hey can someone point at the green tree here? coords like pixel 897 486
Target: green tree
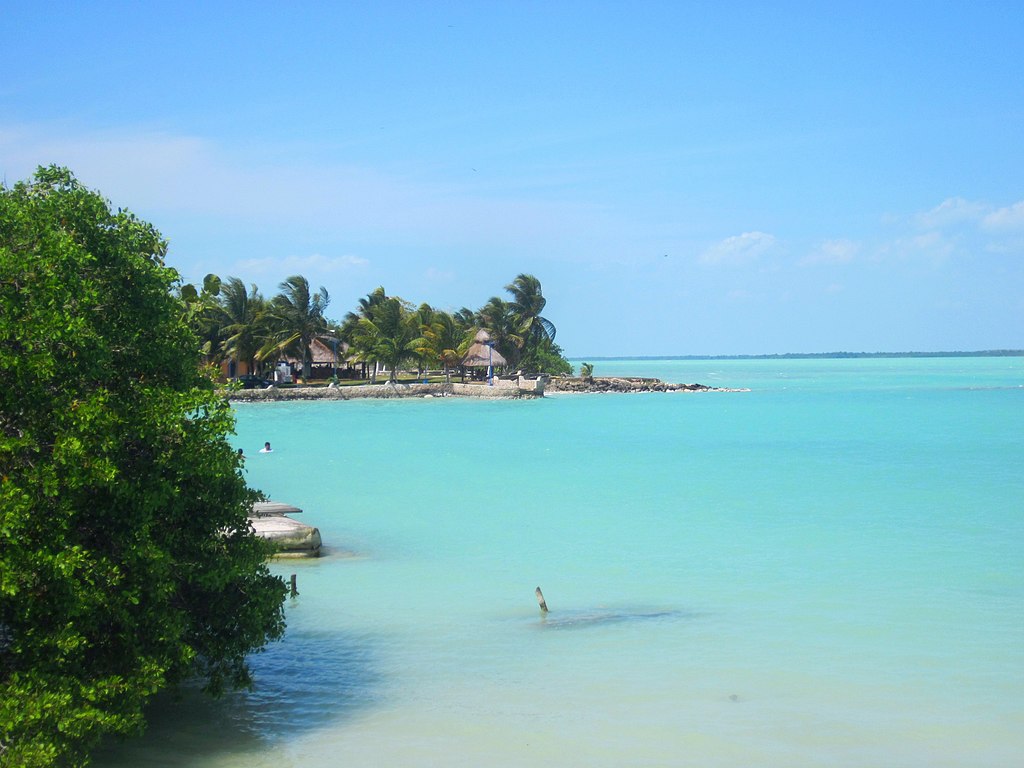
pixel 350 331
pixel 127 562
pixel 446 340
pixel 298 317
pixel 520 332
pixel 501 321
pixel 243 321
pixel 548 358
pixel 527 303
pixel 426 355
pixel 538 350
pixel 202 313
pixel 366 308
pixel 391 335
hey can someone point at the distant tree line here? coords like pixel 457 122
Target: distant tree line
pixel 236 322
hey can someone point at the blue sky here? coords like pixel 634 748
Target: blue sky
pixel 684 178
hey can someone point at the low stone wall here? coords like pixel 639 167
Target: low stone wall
pixel 504 390
pixel 495 392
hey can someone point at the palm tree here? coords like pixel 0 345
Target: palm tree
pixel 350 328
pixel 466 318
pixel 298 317
pixel 503 324
pixel 424 317
pixel 390 336
pixel 527 303
pixel 243 328
pixel 445 339
pixel 201 313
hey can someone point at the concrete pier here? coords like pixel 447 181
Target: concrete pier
pixel 290 537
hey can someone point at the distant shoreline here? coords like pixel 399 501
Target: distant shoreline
pixel 808 356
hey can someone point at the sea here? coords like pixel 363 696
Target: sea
pixel 824 570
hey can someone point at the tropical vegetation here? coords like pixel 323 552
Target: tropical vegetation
pixel 295 317
pixel 127 562
pixel 382 332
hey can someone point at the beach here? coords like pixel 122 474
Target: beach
pixel 824 570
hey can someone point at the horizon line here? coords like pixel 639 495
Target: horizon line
pixel 808 355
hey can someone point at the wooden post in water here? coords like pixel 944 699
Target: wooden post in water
pixel 540 600
pixel 295 589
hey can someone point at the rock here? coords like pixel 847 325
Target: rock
pixel 619 384
pixel 290 537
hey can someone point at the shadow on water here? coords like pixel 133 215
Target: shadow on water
pixel 585 619
pixel 305 682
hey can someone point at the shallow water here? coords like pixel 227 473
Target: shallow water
pixel 824 570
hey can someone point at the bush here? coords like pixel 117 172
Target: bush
pixel 127 560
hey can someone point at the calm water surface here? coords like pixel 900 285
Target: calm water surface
pixel 826 570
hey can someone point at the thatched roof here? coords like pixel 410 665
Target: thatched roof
pixel 480 354
pixel 322 351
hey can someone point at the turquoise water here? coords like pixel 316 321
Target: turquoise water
pixel 826 570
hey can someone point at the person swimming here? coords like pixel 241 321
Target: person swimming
pixel 266 448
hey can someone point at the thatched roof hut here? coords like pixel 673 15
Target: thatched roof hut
pixel 321 351
pixel 481 354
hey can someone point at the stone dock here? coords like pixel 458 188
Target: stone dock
pixel 271 521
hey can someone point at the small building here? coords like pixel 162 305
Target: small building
pixel 482 357
pixel 324 362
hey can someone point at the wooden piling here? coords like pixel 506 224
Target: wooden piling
pixel 540 600
pixel 294 587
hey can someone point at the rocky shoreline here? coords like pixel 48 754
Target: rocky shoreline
pixel 562 384
pixel 623 384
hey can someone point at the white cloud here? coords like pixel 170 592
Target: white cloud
pixel 958 211
pixel 832 252
pixel 1006 246
pixel 1010 217
pixel 952 211
pixel 298 264
pixel 155 173
pixel 956 228
pixel 739 249
pixel 932 246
